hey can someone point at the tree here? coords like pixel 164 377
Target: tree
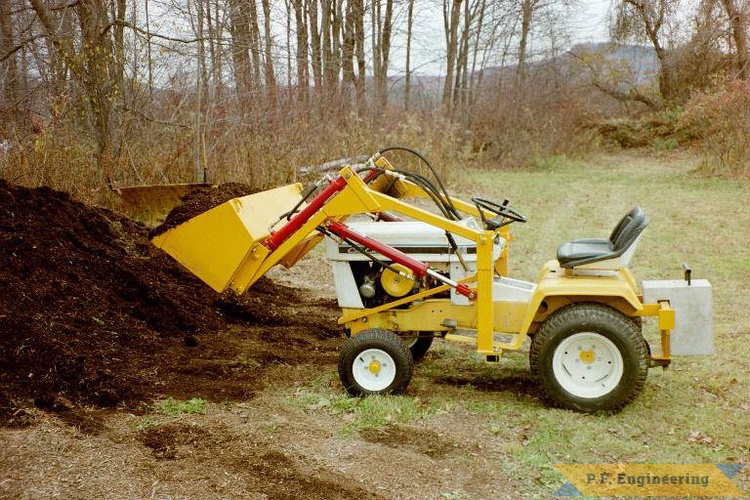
pixel 451 21
pixel 302 60
pixel 93 65
pixel 738 22
pixel 239 28
pixel 9 85
pixel 409 30
pixel 382 28
pixel 648 18
pixel 268 53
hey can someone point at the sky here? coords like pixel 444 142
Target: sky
pixel 588 22
pixel 591 20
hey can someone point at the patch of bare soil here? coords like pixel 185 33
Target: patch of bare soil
pixel 424 441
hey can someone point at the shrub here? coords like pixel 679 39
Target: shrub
pixel 720 119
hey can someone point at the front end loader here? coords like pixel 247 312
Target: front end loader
pixel 405 275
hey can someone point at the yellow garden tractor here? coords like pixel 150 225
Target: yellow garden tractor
pixel 405 275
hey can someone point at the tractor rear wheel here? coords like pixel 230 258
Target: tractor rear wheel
pixel 418 343
pixel 589 357
pixel 375 361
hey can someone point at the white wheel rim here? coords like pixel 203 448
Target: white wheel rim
pixel 374 370
pixel 587 365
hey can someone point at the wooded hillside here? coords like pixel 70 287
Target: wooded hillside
pixel 157 91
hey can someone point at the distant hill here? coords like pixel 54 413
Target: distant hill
pixel 638 61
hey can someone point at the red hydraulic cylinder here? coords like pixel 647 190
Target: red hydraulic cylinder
pixel 280 236
pixel 418 267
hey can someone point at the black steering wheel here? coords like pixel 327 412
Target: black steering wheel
pixel 504 215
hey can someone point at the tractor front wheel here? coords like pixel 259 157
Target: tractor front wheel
pixel 375 361
pixel 589 357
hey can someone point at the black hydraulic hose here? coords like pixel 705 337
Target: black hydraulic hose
pixel 431 191
pixel 439 199
pixel 296 208
pixel 447 210
pixel 428 188
pixel 437 177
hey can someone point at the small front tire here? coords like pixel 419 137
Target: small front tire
pixel 375 361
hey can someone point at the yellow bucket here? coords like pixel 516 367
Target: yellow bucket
pixel 223 246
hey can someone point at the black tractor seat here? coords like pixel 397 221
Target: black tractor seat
pixel 611 253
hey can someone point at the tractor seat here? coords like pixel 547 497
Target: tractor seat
pixel 612 253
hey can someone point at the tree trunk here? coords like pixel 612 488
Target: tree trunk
pixel 359 50
pixel 91 67
pixel 653 15
pixel 527 12
pixel 303 75
pixel 739 34
pixel 349 37
pixel 150 62
pixel 268 54
pixel 7 49
pixel 239 29
pixel 315 48
pixel 409 27
pixel 451 20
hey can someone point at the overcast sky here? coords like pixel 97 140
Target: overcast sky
pixel 588 22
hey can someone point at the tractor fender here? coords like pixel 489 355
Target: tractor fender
pixel 558 287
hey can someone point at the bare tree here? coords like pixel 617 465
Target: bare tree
pixel 270 75
pixel 92 64
pixel 648 18
pixel 409 30
pixel 738 21
pixel 8 56
pixel 239 28
pixel 382 28
pixel 302 60
pixel 451 21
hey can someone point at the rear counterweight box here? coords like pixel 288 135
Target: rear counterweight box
pixel 693 332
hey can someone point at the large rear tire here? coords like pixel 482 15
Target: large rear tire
pixel 589 357
pixel 375 361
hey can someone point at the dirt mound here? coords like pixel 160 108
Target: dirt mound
pixel 92 313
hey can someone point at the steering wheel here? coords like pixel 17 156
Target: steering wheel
pixel 501 212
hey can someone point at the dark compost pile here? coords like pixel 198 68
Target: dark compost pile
pixel 92 314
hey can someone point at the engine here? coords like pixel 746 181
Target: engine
pixel 362 281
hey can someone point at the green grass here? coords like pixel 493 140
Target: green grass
pixel 173 407
pixel 358 413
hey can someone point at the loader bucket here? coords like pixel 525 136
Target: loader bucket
pixel 222 246
pixel 151 204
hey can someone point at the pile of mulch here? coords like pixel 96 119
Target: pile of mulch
pixel 200 200
pixel 89 309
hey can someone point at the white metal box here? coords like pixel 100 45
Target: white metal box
pixel 693 332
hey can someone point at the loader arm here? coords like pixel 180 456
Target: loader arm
pixel 255 249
